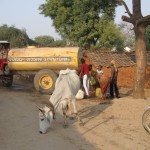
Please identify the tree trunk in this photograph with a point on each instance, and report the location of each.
(140, 23)
(140, 48)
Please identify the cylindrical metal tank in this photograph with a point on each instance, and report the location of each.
(43, 58)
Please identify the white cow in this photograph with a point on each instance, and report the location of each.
(66, 87)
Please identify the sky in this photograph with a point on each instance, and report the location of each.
(24, 14)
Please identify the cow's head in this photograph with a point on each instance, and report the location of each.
(45, 119)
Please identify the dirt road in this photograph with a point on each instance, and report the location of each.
(114, 126)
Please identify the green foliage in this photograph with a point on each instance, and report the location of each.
(48, 41)
(44, 41)
(59, 43)
(110, 36)
(148, 38)
(79, 20)
(16, 37)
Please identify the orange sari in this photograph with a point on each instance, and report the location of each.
(104, 83)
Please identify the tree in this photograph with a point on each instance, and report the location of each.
(140, 23)
(59, 43)
(127, 33)
(48, 41)
(79, 20)
(44, 41)
(16, 37)
(148, 38)
(110, 36)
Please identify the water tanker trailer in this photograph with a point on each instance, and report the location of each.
(43, 63)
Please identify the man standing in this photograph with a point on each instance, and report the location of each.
(85, 76)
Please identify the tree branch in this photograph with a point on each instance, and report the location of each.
(127, 19)
(147, 19)
(137, 8)
(126, 7)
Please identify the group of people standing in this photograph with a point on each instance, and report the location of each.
(101, 81)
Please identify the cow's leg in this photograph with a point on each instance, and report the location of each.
(69, 111)
(76, 112)
(65, 111)
(65, 121)
(79, 119)
(69, 108)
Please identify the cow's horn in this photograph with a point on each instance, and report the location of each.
(40, 109)
(37, 107)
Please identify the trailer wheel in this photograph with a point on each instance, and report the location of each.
(7, 80)
(44, 81)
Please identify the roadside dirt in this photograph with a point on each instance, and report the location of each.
(113, 126)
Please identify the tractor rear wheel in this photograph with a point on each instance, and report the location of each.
(7, 80)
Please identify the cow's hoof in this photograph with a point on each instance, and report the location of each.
(65, 126)
(71, 118)
(81, 123)
(41, 132)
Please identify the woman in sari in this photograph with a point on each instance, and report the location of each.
(104, 83)
(92, 80)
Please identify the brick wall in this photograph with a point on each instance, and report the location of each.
(126, 76)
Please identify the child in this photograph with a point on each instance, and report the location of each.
(99, 72)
